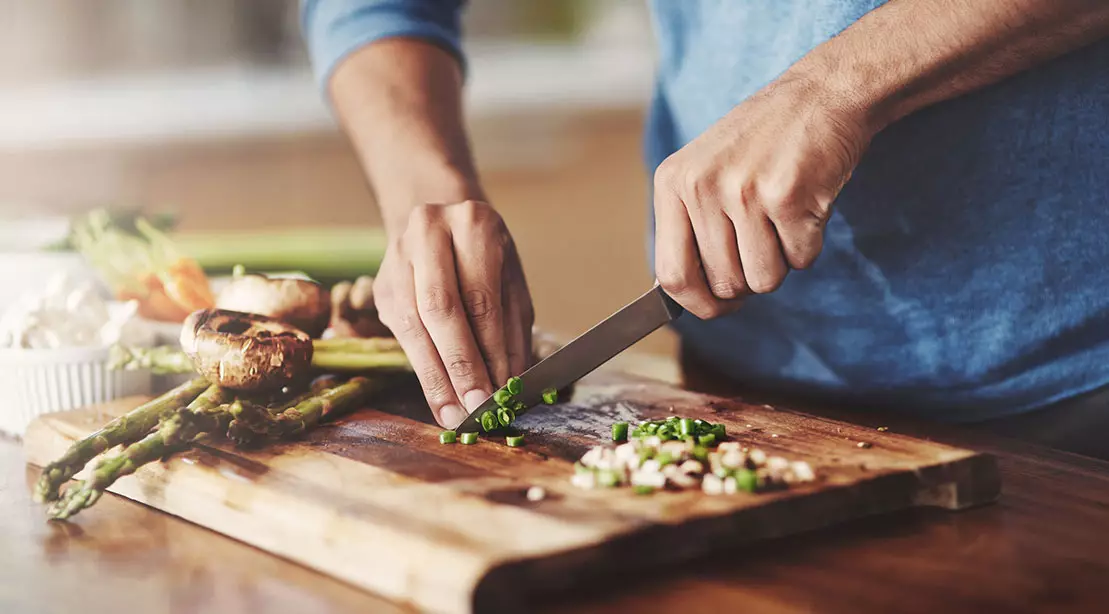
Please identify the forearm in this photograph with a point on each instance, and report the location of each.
(400, 102)
(910, 54)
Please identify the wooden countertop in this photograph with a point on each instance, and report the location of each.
(1043, 546)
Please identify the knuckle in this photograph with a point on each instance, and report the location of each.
(700, 190)
(742, 199)
(480, 305)
(764, 284)
(461, 367)
(666, 174)
(803, 258)
(779, 199)
(438, 303)
(726, 290)
(423, 217)
(672, 279)
(437, 389)
(403, 324)
(472, 213)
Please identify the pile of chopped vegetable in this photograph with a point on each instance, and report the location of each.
(679, 453)
(686, 429)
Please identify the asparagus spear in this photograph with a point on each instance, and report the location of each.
(124, 429)
(359, 345)
(351, 359)
(359, 361)
(207, 414)
(162, 360)
(253, 422)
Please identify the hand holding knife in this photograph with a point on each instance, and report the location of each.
(590, 350)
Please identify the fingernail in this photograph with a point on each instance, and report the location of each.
(452, 415)
(474, 399)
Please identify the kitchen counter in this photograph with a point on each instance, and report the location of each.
(1042, 546)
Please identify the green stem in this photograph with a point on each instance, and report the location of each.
(359, 345)
(353, 362)
(207, 414)
(348, 358)
(253, 422)
(124, 429)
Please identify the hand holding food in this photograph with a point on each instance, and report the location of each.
(452, 290)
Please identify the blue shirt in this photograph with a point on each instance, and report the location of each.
(965, 270)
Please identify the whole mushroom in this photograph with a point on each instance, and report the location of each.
(302, 303)
(353, 312)
(246, 352)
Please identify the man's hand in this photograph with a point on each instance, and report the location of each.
(746, 201)
(452, 291)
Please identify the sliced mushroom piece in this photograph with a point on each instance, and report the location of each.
(246, 352)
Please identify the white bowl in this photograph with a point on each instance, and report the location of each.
(42, 381)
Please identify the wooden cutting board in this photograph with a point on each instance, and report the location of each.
(374, 499)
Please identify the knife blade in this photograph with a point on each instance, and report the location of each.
(588, 351)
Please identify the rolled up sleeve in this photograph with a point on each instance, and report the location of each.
(333, 29)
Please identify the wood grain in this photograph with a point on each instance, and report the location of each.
(451, 530)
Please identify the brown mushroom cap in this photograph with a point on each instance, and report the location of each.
(247, 352)
(302, 303)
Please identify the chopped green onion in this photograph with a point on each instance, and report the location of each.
(700, 453)
(607, 479)
(652, 428)
(514, 441)
(620, 431)
(506, 416)
(707, 440)
(719, 431)
(502, 397)
(664, 459)
(519, 407)
(645, 453)
(447, 437)
(746, 480)
(643, 489)
(514, 385)
(550, 396)
(468, 439)
(665, 433)
(580, 468)
(686, 427)
(488, 421)
(637, 433)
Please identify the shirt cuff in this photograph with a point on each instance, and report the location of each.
(333, 29)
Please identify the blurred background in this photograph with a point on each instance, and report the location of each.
(206, 110)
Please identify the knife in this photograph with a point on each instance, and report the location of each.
(592, 349)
